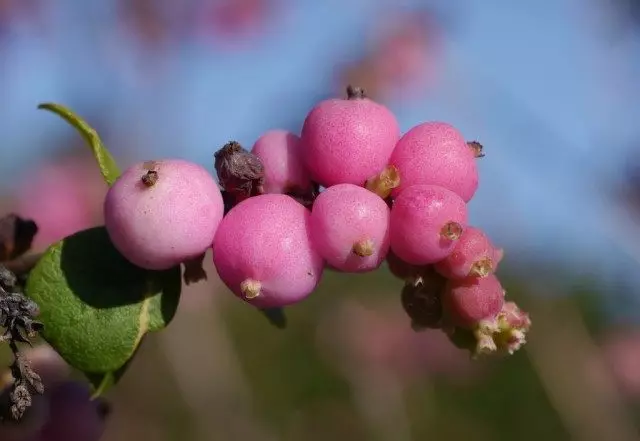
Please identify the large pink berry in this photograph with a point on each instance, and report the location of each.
(284, 172)
(426, 222)
(348, 140)
(473, 256)
(436, 153)
(467, 302)
(263, 251)
(350, 228)
(161, 213)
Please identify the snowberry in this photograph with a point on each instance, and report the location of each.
(473, 256)
(348, 140)
(284, 172)
(436, 153)
(159, 214)
(350, 228)
(263, 251)
(74, 416)
(426, 221)
(468, 302)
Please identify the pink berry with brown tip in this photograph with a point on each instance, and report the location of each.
(263, 251)
(350, 228)
(436, 153)
(426, 223)
(468, 302)
(347, 141)
(161, 213)
(473, 256)
(280, 153)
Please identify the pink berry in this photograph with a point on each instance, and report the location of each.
(284, 172)
(350, 228)
(347, 141)
(162, 213)
(263, 251)
(62, 199)
(467, 302)
(436, 153)
(74, 416)
(426, 221)
(472, 256)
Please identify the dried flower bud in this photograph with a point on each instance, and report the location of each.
(240, 172)
(308, 197)
(421, 300)
(16, 236)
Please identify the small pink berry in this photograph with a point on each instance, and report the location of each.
(426, 222)
(472, 256)
(263, 251)
(284, 172)
(159, 214)
(350, 228)
(468, 302)
(436, 153)
(347, 141)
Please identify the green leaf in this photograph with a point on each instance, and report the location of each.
(96, 306)
(107, 164)
(102, 382)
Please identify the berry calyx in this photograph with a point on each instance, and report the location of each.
(250, 288)
(383, 183)
(481, 268)
(150, 178)
(355, 93)
(364, 248)
(451, 231)
(477, 149)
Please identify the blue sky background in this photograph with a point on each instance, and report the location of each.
(548, 86)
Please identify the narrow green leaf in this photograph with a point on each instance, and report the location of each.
(102, 382)
(107, 164)
(96, 306)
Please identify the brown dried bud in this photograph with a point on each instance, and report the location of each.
(240, 172)
(476, 148)
(355, 92)
(308, 197)
(16, 236)
(421, 300)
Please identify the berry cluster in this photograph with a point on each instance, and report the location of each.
(347, 194)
